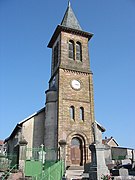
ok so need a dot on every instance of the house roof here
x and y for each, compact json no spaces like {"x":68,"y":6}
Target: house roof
{"x":119,"y":147}
{"x":107,"y":140}
{"x":1,"y":142}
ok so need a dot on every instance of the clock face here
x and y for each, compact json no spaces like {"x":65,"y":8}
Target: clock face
{"x":75,"y":84}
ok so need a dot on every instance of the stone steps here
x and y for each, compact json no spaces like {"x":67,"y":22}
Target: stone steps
{"x":76,"y":168}
{"x":75,"y":173}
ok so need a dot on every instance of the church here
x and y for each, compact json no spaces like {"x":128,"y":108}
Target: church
{"x":68,"y":115}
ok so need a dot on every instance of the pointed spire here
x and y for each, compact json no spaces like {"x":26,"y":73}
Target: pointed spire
{"x":70,"y":19}
{"x":69,"y":24}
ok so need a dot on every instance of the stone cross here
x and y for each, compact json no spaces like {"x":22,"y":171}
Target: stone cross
{"x":42,"y":154}
{"x":98,"y":166}
{"x":42,"y":146}
{"x":123,"y":172}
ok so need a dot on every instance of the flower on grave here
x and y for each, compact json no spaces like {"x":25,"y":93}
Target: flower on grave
{"x":106,"y":177}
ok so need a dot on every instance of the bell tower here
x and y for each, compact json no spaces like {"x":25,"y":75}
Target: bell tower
{"x":69,"y":99}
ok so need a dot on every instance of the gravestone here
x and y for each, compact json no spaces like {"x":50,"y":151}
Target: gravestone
{"x":42,"y":154}
{"x":123,"y":172}
{"x":98,"y":166}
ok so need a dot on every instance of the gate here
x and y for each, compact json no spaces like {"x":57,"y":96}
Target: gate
{"x":35,"y":158}
{"x":40,"y":164}
{"x":54,"y":172}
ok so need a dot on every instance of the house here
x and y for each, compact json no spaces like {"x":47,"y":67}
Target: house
{"x":1,"y":146}
{"x":123,"y":155}
{"x":116,"y":155}
{"x":110,"y":142}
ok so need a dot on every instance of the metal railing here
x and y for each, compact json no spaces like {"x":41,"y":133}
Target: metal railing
{"x":7,"y":173}
{"x":56,"y":171}
{"x":41,"y":164}
{"x":7,"y":161}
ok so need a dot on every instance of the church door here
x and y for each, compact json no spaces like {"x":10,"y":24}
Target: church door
{"x":76,"y":151}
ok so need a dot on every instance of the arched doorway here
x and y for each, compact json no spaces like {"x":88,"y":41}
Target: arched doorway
{"x":76,"y":151}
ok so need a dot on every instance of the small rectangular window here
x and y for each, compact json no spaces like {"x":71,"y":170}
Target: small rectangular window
{"x":72,"y":113}
{"x":82,"y":113}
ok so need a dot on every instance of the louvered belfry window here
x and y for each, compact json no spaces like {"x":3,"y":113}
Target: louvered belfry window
{"x":71,"y":49}
{"x":78,"y":51}
{"x":82,"y":113}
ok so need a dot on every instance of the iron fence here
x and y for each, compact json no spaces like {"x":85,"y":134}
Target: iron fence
{"x":56,"y":171}
{"x":41,"y":164}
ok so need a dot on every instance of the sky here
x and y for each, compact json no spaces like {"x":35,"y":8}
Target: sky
{"x":26,"y":27}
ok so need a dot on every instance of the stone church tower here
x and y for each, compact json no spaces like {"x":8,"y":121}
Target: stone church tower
{"x":69,"y":99}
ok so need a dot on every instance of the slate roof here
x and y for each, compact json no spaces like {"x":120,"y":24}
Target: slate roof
{"x":70,"y":20}
{"x":69,"y":24}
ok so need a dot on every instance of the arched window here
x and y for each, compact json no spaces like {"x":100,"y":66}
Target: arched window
{"x":78,"y":51}
{"x":75,"y":142}
{"x":82,"y":113}
{"x":72,"y":112}
{"x":71,"y":49}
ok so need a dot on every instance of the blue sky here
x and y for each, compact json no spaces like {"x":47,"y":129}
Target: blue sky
{"x":26,"y":27}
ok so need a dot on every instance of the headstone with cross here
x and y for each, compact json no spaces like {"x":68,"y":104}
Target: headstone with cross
{"x":42,"y":154}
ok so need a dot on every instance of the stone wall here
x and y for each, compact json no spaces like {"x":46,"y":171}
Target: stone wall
{"x":69,"y":70}
{"x":78,"y":98}
{"x":13,"y":142}
{"x":67,"y":63}
{"x":27,"y":131}
{"x":50,"y":135}
{"x":38,"y":132}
